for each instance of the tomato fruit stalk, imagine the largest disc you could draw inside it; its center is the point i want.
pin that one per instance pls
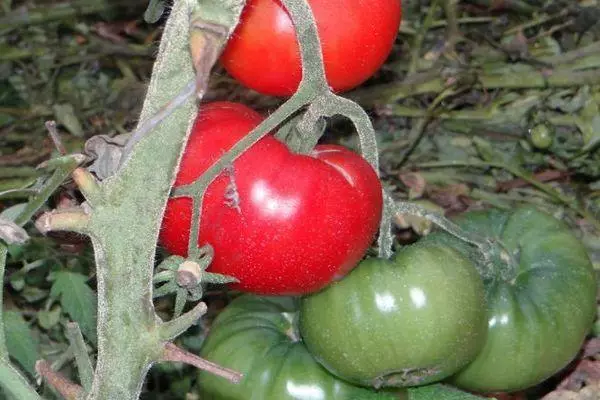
(356, 37)
(279, 222)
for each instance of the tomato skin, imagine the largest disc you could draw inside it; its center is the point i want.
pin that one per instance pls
(537, 319)
(356, 38)
(255, 336)
(415, 319)
(300, 220)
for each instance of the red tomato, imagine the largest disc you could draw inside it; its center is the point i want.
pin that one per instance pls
(295, 223)
(356, 38)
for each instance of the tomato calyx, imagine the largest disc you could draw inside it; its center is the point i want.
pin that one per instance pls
(186, 277)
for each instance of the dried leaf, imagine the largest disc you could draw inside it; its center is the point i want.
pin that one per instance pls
(105, 151)
(12, 233)
(420, 225)
(416, 184)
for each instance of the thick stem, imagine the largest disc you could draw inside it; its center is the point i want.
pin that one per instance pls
(127, 343)
(124, 228)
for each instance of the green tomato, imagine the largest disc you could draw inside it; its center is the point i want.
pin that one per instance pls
(415, 319)
(541, 297)
(541, 136)
(257, 337)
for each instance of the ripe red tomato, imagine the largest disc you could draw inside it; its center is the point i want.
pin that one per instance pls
(356, 38)
(281, 223)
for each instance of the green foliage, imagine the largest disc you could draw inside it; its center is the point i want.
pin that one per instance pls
(78, 300)
(22, 344)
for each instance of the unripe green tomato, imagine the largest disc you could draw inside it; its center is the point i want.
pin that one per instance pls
(412, 320)
(541, 136)
(257, 337)
(541, 298)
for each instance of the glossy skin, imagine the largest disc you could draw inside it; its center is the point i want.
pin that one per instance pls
(356, 38)
(256, 336)
(415, 319)
(539, 315)
(300, 220)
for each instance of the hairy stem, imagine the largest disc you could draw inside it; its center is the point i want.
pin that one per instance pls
(124, 227)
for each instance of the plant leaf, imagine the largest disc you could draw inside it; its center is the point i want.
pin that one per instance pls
(21, 344)
(78, 300)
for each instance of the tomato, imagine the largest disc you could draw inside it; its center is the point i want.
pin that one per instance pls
(256, 336)
(541, 136)
(540, 304)
(356, 37)
(415, 319)
(281, 223)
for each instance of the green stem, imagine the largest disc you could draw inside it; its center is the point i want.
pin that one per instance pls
(403, 207)
(62, 172)
(172, 329)
(82, 358)
(418, 129)
(126, 224)
(543, 19)
(196, 190)
(452, 33)
(313, 70)
(15, 384)
(417, 44)
(385, 240)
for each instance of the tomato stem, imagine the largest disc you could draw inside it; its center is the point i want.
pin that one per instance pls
(492, 249)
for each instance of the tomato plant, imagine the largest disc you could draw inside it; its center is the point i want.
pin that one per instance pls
(257, 336)
(415, 319)
(541, 298)
(356, 38)
(281, 223)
